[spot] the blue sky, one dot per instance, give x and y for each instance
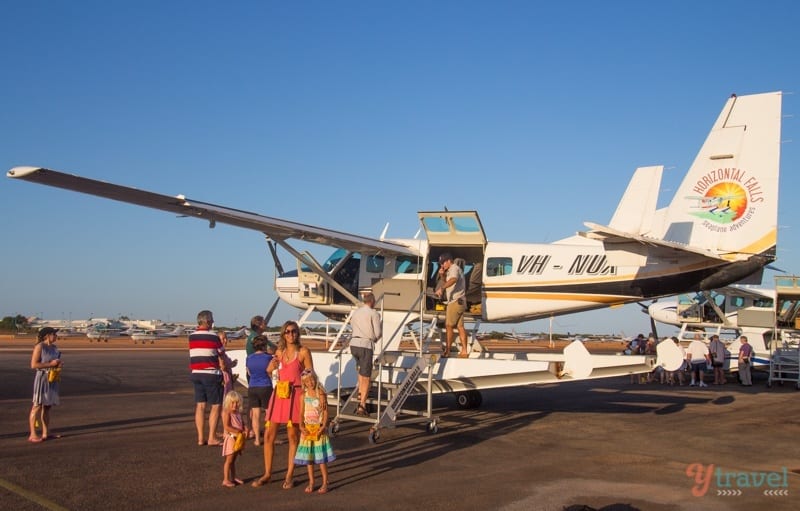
(349, 115)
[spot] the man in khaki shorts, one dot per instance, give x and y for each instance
(454, 287)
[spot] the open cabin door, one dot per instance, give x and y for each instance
(461, 234)
(313, 289)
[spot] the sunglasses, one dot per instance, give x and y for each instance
(291, 331)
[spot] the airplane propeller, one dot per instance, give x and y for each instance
(646, 310)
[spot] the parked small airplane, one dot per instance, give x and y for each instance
(102, 332)
(735, 310)
(713, 309)
(644, 252)
(159, 333)
(232, 335)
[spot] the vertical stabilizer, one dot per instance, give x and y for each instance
(635, 211)
(728, 201)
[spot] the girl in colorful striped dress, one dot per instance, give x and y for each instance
(315, 446)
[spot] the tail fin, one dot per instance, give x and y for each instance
(636, 210)
(728, 201)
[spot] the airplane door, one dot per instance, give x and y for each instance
(461, 234)
(313, 290)
(689, 310)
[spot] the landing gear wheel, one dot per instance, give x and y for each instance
(469, 399)
(433, 427)
(333, 429)
(374, 435)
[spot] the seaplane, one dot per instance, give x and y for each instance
(729, 312)
(768, 317)
(644, 252)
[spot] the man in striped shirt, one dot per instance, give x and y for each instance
(207, 361)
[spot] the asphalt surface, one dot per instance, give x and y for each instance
(129, 443)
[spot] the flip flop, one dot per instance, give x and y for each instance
(35, 440)
(323, 489)
(309, 489)
(287, 485)
(228, 484)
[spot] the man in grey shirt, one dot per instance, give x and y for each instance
(453, 291)
(366, 325)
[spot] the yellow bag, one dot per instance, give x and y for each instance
(284, 389)
(54, 374)
(238, 444)
(314, 432)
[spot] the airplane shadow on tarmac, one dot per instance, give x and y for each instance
(503, 411)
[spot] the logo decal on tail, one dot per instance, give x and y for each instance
(728, 200)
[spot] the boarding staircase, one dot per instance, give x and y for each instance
(398, 372)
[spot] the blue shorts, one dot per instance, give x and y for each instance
(207, 388)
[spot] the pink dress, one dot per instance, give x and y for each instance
(279, 409)
(229, 441)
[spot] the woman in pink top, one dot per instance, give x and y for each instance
(284, 408)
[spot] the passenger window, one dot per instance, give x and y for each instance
(375, 263)
(406, 264)
(497, 266)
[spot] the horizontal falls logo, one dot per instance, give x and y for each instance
(726, 199)
(733, 482)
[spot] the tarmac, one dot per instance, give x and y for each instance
(128, 443)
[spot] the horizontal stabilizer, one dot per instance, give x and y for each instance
(611, 236)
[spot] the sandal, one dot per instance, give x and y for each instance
(287, 484)
(361, 411)
(323, 489)
(261, 481)
(309, 489)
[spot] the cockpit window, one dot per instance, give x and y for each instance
(334, 259)
(330, 263)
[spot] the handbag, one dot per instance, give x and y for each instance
(313, 432)
(284, 389)
(238, 444)
(54, 375)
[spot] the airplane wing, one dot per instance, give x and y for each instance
(275, 228)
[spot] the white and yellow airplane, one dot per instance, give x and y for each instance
(644, 252)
